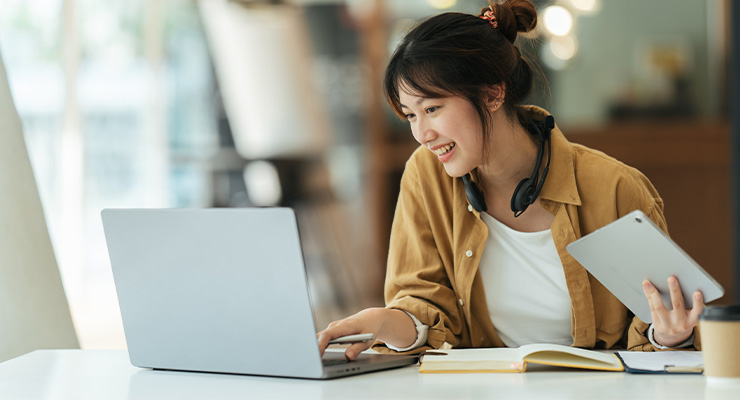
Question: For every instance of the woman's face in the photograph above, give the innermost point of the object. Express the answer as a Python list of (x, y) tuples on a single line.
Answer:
[(449, 127)]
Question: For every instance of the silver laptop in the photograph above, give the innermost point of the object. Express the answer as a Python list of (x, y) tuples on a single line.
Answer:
[(220, 290)]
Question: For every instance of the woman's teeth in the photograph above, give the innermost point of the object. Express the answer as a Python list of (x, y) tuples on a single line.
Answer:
[(444, 150)]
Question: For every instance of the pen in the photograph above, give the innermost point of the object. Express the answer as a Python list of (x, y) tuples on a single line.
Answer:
[(363, 337), (684, 369)]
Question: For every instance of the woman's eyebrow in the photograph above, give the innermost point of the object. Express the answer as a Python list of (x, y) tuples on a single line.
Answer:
[(418, 102)]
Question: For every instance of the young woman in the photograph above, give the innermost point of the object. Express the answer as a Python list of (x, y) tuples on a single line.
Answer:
[(488, 203)]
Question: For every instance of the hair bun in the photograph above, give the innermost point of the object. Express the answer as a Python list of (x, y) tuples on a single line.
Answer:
[(514, 16)]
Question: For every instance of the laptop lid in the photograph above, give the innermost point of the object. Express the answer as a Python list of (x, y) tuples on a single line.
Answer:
[(219, 290)]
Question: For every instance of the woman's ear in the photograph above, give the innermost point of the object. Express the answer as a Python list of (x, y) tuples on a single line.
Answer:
[(495, 95)]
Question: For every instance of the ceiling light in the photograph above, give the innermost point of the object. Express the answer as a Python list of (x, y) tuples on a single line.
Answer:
[(558, 20), (442, 4), (564, 47), (586, 6)]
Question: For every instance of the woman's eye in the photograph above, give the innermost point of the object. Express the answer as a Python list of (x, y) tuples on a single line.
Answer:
[(409, 116), (430, 110)]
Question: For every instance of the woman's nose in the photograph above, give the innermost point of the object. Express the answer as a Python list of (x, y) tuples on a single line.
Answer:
[(423, 132)]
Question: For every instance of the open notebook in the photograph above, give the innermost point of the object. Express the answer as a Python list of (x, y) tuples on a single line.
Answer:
[(516, 359)]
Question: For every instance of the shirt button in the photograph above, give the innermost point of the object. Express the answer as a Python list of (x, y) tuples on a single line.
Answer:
[(469, 253), (470, 208)]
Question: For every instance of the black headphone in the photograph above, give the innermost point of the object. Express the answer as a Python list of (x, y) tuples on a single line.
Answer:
[(528, 189)]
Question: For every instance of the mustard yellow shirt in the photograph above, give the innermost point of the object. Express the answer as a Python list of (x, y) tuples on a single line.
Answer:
[(437, 241)]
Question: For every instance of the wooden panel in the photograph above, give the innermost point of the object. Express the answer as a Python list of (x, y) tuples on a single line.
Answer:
[(374, 55)]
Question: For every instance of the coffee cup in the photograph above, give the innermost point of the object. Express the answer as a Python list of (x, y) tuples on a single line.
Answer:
[(720, 341)]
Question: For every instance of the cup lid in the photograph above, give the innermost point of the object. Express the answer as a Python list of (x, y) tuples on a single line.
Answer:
[(721, 313)]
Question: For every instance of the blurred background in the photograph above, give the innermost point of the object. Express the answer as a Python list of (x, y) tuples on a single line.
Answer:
[(226, 103)]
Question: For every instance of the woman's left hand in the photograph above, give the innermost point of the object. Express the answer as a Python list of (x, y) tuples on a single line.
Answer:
[(671, 328)]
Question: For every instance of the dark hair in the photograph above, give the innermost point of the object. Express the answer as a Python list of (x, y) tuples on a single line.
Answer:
[(462, 54)]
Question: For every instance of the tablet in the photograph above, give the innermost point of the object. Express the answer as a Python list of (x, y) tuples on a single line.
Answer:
[(627, 251)]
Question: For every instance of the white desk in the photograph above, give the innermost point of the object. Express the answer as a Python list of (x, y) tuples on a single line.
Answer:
[(108, 375)]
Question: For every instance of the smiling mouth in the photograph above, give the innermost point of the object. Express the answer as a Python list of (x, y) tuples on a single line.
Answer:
[(444, 149)]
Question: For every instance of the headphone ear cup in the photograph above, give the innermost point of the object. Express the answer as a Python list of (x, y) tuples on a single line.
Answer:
[(522, 195)]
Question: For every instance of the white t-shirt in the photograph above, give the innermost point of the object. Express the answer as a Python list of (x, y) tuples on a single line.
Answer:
[(526, 292)]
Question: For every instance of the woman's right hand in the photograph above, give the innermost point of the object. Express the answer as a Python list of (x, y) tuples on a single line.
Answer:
[(389, 325)]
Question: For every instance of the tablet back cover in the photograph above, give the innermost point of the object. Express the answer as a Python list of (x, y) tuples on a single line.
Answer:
[(627, 251)]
